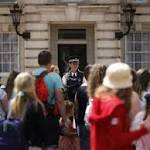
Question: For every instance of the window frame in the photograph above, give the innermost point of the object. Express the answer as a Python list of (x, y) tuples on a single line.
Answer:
[(144, 64), (2, 73)]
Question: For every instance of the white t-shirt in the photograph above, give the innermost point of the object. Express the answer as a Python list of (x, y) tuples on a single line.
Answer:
[(88, 111), (142, 143), (2, 94)]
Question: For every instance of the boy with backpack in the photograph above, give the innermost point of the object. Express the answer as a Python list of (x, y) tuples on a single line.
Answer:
[(54, 96)]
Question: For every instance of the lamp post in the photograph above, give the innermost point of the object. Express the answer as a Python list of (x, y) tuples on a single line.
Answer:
[(129, 13), (16, 13)]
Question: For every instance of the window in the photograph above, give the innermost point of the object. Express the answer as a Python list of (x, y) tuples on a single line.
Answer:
[(137, 53), (71, 34), (6, 1), (140, 1), (8, 52), (66, 1)]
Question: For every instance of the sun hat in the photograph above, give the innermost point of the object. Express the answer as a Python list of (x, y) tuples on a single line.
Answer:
[(118, 76)]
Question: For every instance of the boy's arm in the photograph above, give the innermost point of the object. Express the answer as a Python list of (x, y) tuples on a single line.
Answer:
[(60, 102)]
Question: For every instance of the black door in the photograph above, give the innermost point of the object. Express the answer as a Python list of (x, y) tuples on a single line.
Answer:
[(65, 50)]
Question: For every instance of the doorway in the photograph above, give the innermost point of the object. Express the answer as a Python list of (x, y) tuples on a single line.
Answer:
[(66, 50), (72, 39)]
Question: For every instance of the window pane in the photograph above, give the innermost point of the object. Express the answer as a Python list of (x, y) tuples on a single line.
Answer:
[(0, 62), (14, 66), (13, 38), (6, 67), (137, 66), (6, 58), (8, 52), (13, 57), (130, 47), (130, 37), (6, 47), (137, 57), (139, 45), (6, 37), (138, 37), (145, 57), (146, 37), (71, 34), (130, 57), (7, 1), (146, 47)]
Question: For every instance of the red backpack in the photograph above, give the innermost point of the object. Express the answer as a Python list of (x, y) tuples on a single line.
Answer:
[(42, 92), (41, 87)]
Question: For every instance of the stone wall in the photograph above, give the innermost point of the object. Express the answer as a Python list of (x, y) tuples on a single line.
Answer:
[(105, 16), (39, 15)]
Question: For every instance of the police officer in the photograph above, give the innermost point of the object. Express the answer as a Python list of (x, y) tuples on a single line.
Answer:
[(72, 79)]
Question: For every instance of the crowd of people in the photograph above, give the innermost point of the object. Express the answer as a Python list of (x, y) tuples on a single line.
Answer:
[(102, 108)]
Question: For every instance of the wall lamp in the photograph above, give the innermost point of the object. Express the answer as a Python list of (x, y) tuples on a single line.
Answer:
[(129, 13), (16, 13)]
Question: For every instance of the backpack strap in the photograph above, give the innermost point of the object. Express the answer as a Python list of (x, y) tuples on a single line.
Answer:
[(43, 74)]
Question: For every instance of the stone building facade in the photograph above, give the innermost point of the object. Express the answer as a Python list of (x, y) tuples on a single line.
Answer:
[(74, 27)]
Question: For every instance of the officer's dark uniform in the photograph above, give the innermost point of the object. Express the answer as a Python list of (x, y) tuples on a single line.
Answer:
[(72, 83)]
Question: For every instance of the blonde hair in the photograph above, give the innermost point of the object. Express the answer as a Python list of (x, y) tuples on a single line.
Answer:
[(69, 107), (25, 92), (55, 68), (95, 78), (124, 94)]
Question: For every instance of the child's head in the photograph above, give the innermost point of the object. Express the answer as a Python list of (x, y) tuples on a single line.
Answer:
[(24, 82), (95, 78), (87, 70), (25, 92), (69, 106), (55, 68), (144, 79)]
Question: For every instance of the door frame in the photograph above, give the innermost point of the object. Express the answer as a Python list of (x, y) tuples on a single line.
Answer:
[(89, 40)]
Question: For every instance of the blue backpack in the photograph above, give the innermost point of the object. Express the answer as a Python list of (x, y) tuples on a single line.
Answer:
[(11, 137)]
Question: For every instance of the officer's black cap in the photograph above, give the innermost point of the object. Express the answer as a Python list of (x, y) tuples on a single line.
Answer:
[(73, 59)]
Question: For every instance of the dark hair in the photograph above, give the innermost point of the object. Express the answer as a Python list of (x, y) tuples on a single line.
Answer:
[(44, 58), (147, 106), (87, 71), (10, 83), (135, 81), (125, 95), (144, 79)]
